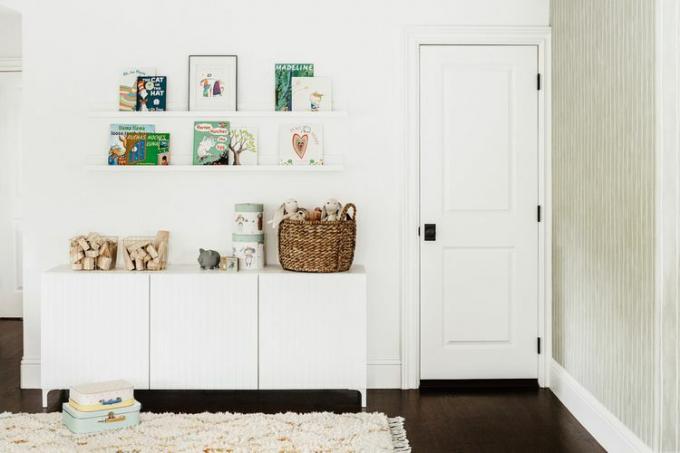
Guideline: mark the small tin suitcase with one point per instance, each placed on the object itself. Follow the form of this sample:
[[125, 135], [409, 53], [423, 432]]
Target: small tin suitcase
[[99, 396], [96, 421]]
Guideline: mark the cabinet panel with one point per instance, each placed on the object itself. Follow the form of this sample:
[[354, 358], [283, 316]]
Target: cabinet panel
[[204, 330], [95, 327], [312, 331]]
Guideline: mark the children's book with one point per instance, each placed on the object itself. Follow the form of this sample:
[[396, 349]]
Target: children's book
[[211, 143], [283, 74], [157, 149], [312, 94], [148, 148], [242, 145], [151, 92], [118, 138], [127, 101], [301, 144]]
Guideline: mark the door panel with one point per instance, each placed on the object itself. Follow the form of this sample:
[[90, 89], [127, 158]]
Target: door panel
[[479, 185]]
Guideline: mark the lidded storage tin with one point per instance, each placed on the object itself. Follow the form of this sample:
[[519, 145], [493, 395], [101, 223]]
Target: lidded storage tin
[[248, 218], [249, 249]]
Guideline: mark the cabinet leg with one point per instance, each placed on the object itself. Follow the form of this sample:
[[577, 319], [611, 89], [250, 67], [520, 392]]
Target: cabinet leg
[[363, 397], [45, 392]]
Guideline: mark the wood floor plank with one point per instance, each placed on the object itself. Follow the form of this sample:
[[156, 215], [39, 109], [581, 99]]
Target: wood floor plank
[[439, 420]]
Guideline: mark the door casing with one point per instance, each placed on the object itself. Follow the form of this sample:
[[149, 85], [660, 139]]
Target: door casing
[[410, 253]]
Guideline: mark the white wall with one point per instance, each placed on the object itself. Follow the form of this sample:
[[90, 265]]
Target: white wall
[[72, 56], [10, 33]]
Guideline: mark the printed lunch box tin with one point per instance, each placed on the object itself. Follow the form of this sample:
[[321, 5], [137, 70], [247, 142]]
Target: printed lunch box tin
[[98, 396], [249, 249], [92, 422], [248, 218]]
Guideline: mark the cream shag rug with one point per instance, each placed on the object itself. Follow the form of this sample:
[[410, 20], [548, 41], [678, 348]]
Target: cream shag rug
[[220, 432]]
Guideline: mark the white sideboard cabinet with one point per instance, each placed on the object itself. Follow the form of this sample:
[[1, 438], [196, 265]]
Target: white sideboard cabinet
[[94, 326], [184, 328], [313, 331], [203, 330]]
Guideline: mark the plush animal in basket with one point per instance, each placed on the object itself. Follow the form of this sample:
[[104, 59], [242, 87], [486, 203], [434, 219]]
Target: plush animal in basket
[[331, 210], [287, 209]]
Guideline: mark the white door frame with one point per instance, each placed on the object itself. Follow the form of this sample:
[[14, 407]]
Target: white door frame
[[410, 254]]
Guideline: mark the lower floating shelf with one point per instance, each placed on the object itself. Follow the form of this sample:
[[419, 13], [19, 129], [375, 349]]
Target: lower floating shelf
[[215, 168]]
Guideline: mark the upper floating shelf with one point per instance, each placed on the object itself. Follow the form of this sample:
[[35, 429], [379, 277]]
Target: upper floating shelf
[[225, 114], [215, 168]]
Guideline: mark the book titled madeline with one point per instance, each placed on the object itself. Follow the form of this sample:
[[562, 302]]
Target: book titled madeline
[[283, 75], [151, 93]]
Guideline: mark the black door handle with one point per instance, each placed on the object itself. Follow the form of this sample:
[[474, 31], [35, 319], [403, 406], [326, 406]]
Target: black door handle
[[430, 231]]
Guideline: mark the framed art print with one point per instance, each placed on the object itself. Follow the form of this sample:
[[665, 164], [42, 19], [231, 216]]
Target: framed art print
[[213, 82]]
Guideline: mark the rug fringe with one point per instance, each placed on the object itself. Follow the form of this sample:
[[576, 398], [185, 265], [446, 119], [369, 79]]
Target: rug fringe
[[399, 439]]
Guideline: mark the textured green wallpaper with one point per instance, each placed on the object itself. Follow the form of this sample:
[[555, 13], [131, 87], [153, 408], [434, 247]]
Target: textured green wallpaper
[[603, 201]]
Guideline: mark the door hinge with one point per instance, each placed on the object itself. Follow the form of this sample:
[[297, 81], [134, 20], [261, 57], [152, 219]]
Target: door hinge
[[538, 213], [418, 231], [538, 344], [538, 81]]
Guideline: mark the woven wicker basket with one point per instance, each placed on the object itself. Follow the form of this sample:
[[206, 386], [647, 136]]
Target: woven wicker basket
[[317, 245]]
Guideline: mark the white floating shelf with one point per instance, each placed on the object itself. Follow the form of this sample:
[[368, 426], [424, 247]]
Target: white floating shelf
[[215, 168], [225, 114]]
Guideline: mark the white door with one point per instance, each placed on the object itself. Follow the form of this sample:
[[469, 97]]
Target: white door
[[479, 186], [10, 183]]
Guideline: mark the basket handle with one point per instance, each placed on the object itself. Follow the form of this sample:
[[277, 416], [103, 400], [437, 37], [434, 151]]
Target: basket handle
[[345, 212]]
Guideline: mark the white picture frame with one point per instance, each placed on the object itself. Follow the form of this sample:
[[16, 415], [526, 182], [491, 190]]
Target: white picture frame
[[213, 83]]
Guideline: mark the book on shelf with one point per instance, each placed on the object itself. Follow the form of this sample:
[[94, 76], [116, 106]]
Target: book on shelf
[[151, 93], [138, 144], [127, 87], [211, 143], [283, 79], [301, 144], [312, 94]]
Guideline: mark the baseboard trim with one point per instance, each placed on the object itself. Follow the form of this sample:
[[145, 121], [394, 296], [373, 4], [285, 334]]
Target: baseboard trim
[[608, 430], [30, 373], [384, 374]]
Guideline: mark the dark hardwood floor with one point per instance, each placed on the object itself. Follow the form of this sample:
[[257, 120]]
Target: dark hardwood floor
[[519, 420]]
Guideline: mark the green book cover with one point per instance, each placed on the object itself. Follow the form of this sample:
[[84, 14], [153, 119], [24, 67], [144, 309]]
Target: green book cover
[[148, 148], [157, 149], [211, 143], [283, 74]]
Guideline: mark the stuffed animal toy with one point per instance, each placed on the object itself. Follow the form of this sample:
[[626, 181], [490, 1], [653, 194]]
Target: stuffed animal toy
[[288, 209], [331, 210], [314, 215], [301, 214]]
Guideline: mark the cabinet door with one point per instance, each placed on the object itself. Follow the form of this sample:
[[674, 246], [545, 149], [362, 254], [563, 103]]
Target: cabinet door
[[95, 327], [204, 331], [312, 331]]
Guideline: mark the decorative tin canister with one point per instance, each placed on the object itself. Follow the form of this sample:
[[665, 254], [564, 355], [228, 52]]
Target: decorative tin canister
[[249, 248], [91, 422], [248, 218]]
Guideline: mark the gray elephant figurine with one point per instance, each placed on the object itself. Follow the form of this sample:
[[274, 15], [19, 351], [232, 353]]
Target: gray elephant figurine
[[208, 259]]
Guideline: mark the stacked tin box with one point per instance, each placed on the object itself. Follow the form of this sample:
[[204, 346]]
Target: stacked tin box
[[101, 406], [247, 240]]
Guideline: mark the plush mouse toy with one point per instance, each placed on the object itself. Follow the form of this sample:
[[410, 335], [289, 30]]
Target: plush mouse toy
[[331, 210]]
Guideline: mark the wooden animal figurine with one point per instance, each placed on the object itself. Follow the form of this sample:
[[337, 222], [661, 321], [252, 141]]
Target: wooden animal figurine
[[331, 210], [208, 259]]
